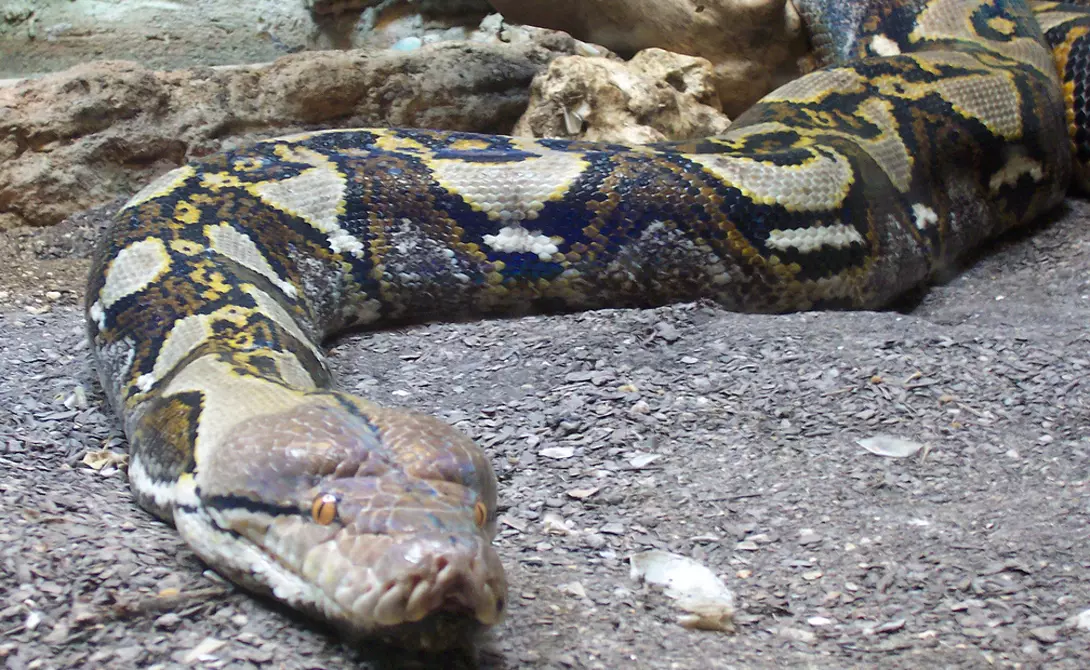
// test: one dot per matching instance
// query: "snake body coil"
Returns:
(935, 125)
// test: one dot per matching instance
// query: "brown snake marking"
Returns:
(936, 125)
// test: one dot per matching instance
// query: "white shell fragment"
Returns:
(888, 445)
(1082, 620)
(709, 603)
(104, 458)
(559, 453)
(643, 460)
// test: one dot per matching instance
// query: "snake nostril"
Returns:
(499, 604)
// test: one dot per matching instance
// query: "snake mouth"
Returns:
(426, 592)
(444, 604)
(415, 579)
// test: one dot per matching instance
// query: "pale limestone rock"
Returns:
(436, 6)
(753, 45)
(40, 36)
(655, 96)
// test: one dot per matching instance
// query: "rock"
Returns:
(438, 6)
(79, 138)
(796, 634)
(753, 45)
(1082, 620)
(168, 621)
(656, 96)
(1045, 634)
(53, 36)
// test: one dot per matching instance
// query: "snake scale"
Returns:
(933, 125)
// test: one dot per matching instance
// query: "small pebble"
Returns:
(1045, 634)
(407, 44)
(1082, 620)
(797, 634)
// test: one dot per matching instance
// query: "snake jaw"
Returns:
(464, 580)
(419, 592)
(403, 555)
(395, 588)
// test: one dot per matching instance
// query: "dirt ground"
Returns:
(973, 553)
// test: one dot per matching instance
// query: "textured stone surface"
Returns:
(81, 137)
(754, 45)
(433, 6)
(38, 36)
(655, 96)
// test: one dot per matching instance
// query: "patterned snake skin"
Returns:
(935, 125)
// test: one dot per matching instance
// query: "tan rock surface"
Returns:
(656, 96)
(81, 137)
(753, 45)
(39, 36)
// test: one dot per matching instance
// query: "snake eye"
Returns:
(324, 509)
(480, 514)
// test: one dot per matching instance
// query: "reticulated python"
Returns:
(935, 125)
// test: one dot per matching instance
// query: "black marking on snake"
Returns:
(165, 453)
(335, 143)
(353, 409)
(263, 165)
(1077, 70)
(582, 147)
(228, 502)
(986, 17)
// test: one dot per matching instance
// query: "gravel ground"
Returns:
(972, 553)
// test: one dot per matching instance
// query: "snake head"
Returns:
(378, 521)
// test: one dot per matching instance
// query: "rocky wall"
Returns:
(38, 36)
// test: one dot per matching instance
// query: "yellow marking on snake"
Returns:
(184, 337)
(818, 86)
(951, 19)
(1050, 19)
(993, 100)
(819, 183)
(315, 195)
(228, 398)
(133, 269)
(238, 246)
(511, 191)
(272, 308)
(161, 186)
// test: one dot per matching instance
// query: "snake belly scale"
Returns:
(934, 125)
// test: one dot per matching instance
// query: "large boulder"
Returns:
(753, 45)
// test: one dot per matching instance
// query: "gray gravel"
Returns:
(972, 553)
